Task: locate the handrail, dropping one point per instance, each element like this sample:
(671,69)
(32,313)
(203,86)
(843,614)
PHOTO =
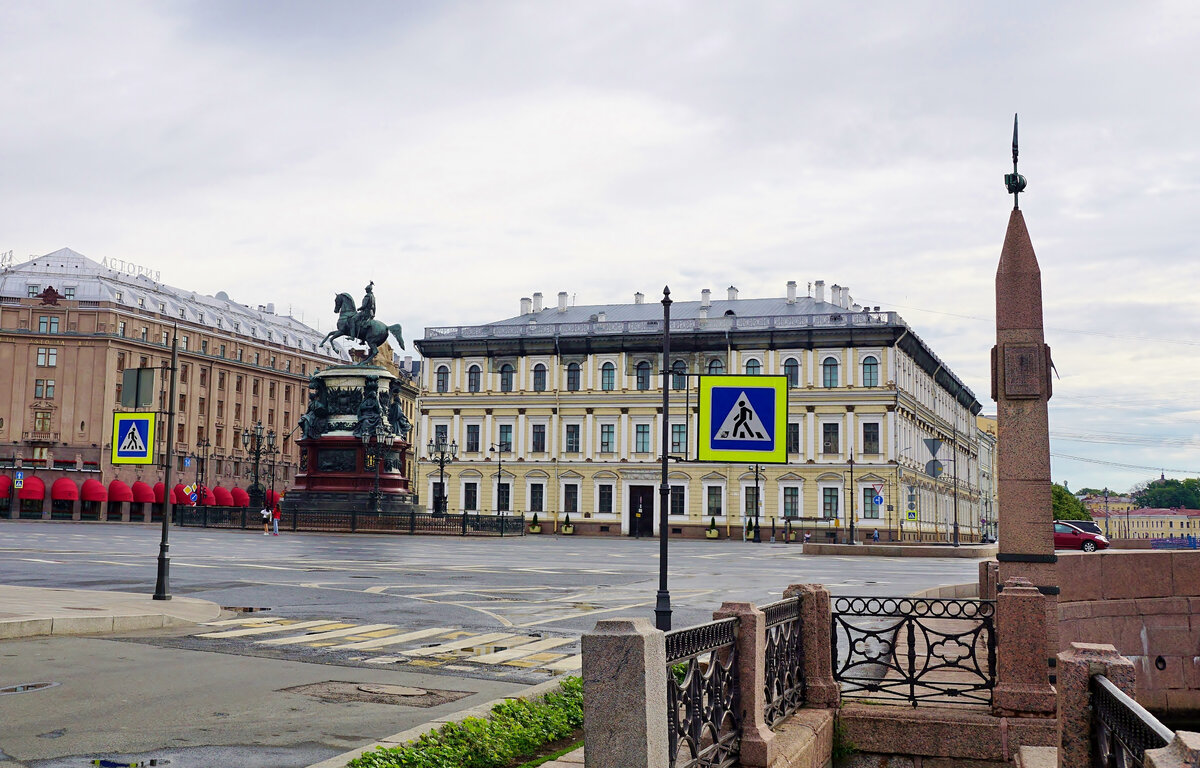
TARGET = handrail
(1120,724)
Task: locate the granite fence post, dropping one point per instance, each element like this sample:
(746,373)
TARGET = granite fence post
(1022,674)
(757,738)
(1075,669)
(816,622)
(1182,752)
(624,695)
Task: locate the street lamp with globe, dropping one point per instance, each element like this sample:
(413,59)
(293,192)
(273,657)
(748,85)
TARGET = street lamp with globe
(443,452)
(255,444)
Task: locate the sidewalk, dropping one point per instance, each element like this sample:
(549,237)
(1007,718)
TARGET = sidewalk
(32,611)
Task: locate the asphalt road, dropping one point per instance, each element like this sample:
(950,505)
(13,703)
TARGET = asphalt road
(200,701)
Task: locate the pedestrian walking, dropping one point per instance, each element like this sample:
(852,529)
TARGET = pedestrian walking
(275,515)
(266,518)
(875,536)
(807,536)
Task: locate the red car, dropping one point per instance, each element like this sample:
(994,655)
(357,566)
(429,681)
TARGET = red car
(1067,536)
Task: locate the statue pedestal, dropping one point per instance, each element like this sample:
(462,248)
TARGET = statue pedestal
(339,469)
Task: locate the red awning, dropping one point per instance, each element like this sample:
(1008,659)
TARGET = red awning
(240,497)
(118,491)
(5,485)
(224,498)
(180,496)
(160,493)
(64,489)
(93,490)
(34,489)
(209,499)
(142,493)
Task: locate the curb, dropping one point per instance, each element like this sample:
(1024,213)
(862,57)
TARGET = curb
(479,710)
(12,629)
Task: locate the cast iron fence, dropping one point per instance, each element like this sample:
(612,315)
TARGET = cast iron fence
(784,660)
(1121,730)
(458,524)
(704,727)
(917,650)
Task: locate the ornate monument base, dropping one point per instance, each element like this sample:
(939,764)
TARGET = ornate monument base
(353,446)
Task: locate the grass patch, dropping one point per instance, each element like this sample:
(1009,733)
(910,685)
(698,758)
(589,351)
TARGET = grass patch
(552,755)
(515,728)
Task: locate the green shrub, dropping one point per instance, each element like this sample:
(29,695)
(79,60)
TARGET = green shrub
(567,520)
(712,523)
(534,522)
(515,728)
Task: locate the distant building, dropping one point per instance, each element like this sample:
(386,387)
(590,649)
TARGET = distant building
(1149,523)
(69,326)
(569,400)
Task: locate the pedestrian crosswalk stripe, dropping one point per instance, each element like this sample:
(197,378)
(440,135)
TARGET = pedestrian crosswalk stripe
(569,664)
(264,629)
(392,640)
(458,645)
(319,636)
(499,657)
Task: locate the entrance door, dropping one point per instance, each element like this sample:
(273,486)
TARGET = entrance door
(641,497)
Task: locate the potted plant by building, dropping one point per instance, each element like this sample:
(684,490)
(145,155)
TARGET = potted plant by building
(567,528)
(711,532)
(534,525)
(749,529)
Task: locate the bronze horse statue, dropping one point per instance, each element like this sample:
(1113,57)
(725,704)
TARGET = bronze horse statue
(372,332)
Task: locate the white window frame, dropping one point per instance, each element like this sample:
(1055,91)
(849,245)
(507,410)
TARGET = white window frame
(799,486)
(615,482)
(840,422)
(705,485)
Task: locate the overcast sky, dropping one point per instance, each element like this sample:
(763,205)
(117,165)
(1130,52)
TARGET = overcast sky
(463,155)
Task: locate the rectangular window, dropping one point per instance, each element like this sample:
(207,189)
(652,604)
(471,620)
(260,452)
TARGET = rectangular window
(791,502)
(677,500)
(829,503)
(69,293)
(641,438)
(870,508)
(220,379)
(121,328)
(539,438)
(32,291)
(204,377)
(254,387)
(43,389)
(166,338)
(608,438)
(47,357)
(537,493)
(571,499)
(572,438)
(506,437)
(714,500)
(47,324)
(473,438)
(502,497)
(679,439)
(441,434)
(751,501)
(204,346)
(270,417)
(830,444)
(237,385)
(270,389)
(237,411)
(870,443)
(183,403)
(183,373)
(41,421)
(222,350)
(470,496)
(183,343)
(793,437)
(606,500)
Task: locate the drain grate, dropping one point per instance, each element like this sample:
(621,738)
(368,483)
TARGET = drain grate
(243,609)
(25,688)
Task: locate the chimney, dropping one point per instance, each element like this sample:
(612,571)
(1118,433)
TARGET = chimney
(705,298)
(537,302)
(791,288)
(820,294)
(835,295)
(602,317)
(732,292)
(526,306)
(638,298)
(271,308)
(703,312)
(846,297)
(562,301)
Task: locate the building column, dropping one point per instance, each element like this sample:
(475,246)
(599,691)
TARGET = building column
(589,436)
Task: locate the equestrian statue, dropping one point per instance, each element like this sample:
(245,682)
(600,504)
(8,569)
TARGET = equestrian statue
(360,324)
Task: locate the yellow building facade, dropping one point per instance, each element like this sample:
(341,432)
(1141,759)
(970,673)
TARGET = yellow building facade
(558,411)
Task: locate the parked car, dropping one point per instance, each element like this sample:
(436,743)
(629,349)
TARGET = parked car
(1090,526)
(1067,536)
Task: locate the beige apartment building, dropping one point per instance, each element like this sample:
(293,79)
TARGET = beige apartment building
(558,411)
(69,326)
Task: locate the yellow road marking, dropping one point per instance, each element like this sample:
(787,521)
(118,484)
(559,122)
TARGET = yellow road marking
(515,653)
(319,636)
(457,645)
(267,629)
(393,639)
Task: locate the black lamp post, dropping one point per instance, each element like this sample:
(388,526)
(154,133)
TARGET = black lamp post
(1106,511)
(757,469)
(376,452)
(502,501)
(202,447)
(438,447)
(256,444)
(662,602)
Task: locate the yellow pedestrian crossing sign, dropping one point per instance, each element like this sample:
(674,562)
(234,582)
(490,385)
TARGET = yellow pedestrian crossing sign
(133,438)
(912,515)
(743,418)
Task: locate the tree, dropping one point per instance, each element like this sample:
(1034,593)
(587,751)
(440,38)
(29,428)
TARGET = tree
(1065,505)
(1169,494)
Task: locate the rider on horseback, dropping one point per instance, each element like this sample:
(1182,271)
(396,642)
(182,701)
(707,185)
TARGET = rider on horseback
(366,313)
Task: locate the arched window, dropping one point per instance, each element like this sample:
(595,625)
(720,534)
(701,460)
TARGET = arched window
(829,372)
(791,369)
(443,379)
(608,377)
(506,378)
(573,377)
(679,375)
(716,367)
(643,375)
(539,378)
(753,367)
(473,378)
(870,372)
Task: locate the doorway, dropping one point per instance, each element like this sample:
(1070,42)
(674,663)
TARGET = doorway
(641,497)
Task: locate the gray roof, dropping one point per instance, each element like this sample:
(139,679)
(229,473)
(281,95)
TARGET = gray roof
(680,310)
(95,282)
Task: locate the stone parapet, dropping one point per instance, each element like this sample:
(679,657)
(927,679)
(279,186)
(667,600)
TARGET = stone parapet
(816,617)
(625,695)
(1022,672)
(1076,666)
(1183,752)
(942,733)
(901,550)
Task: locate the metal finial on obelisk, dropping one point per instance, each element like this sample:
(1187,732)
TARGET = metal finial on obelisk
(1015,181)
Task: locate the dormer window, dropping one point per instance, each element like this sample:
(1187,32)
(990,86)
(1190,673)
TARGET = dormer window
(141,302)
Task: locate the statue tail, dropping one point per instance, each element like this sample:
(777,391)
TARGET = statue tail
(398,333)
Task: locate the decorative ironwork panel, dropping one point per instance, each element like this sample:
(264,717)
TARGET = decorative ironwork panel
(704,727)
(1122,730)
(917,650)
(784,660)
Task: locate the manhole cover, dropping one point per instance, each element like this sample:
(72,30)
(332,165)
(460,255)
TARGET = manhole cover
(338,691)
(25,688)
(393,690)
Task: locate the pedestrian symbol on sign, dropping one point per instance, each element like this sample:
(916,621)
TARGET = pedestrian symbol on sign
(133,438)
(743,423)
(132,442)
